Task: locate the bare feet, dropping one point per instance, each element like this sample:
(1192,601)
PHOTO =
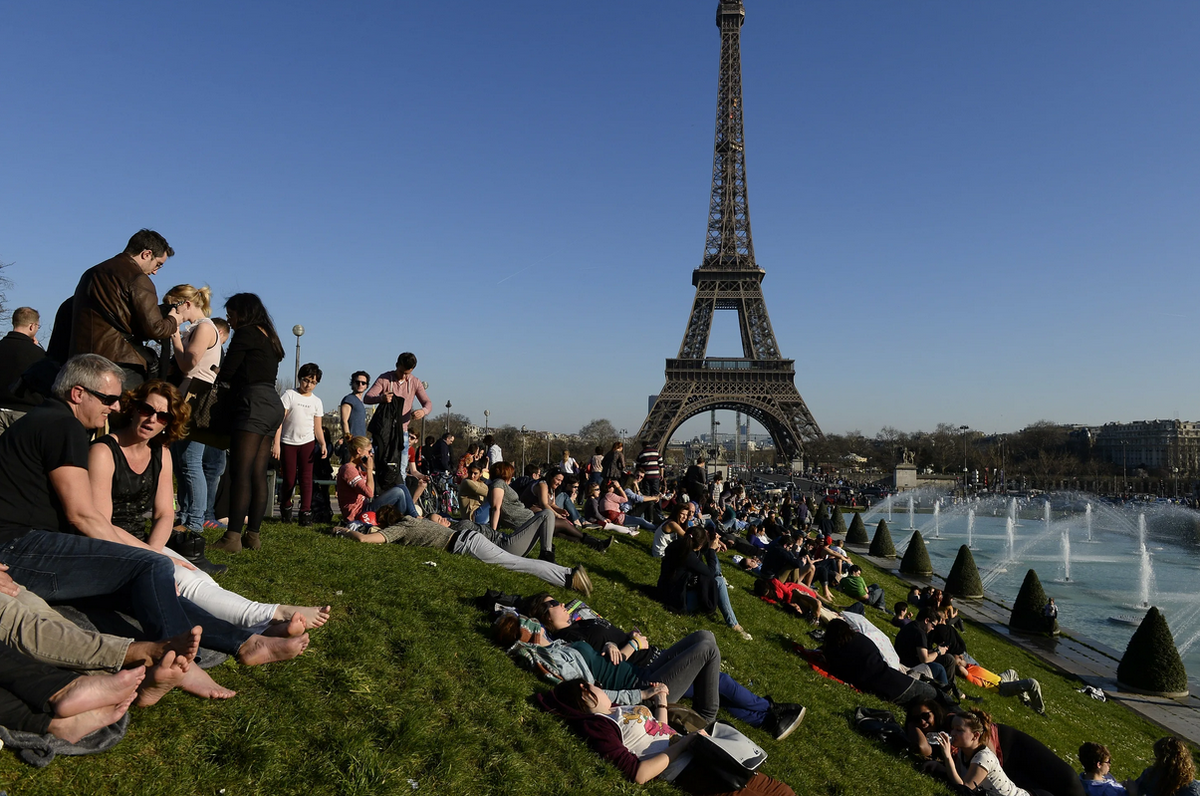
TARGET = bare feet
(262,649)
(198,683)
(314,615)
(73,728)
(85,694)
(287,629)
(161,678)
(185,646)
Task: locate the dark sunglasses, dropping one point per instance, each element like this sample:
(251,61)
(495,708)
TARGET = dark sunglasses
(356,383)
(552,603)
(146,410)
(104,398)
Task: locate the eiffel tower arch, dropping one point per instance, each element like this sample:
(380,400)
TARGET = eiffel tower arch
(761,382)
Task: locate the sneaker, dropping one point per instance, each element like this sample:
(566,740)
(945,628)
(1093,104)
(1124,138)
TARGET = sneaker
(580,581)
(783,718)
(285,514)
(741,631)
(213,525)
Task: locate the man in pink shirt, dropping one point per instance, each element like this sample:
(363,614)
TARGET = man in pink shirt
(401,384)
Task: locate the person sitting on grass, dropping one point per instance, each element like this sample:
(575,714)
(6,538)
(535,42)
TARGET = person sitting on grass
(638,740)
(900,616)
(854,585)
(130,473)
(690,579)
(593,514)
(465,538)
(613,507)
(675,528)
(690,668)
(564,498)
(975,764)
(1097,776)
(473,492)
(1173,772)
(529,528)
(539,496)
(355,485)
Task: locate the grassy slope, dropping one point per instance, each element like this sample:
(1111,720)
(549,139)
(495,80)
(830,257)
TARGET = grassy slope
(404,683)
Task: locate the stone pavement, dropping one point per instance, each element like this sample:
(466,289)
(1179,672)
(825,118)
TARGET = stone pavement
(1087,659)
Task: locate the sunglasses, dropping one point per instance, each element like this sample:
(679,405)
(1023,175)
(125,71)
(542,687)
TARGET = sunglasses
(552,603)
(104,398)
(359,383)
(146,410)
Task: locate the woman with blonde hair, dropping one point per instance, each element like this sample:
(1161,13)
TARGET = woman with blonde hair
(197,353)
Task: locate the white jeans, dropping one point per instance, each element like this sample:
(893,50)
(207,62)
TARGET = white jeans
(200,588)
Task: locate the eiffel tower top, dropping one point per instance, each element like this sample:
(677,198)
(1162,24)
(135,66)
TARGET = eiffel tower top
(728,245)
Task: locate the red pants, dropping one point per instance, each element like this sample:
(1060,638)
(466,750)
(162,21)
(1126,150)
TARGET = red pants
(297,460)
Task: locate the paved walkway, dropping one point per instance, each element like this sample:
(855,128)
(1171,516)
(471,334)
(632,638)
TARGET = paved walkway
(1090,660)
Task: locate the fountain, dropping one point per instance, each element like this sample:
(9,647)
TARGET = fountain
(1012,542)
(1047,516)
(1066,553)
(1145,572)
(912,522)
(937,519)
(1087,517)
(1012,511)
(970,527)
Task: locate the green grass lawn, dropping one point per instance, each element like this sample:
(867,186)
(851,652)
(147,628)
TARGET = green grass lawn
(405,684)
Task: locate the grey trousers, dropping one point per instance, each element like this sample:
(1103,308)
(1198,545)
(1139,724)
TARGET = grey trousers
(30,626)
(539,528)
(477,546)
(1032,689)
(695,662)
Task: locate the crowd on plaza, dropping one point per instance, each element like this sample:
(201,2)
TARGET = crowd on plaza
(115,458)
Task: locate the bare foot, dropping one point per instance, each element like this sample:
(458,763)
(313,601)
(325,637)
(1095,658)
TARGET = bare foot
(314,615)
(198,683)
(185,646)
(73,728)
(161,678)
(287,629)
(261,649)
(84,694)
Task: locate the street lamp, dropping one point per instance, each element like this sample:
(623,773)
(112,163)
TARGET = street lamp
(964,430)
(297,330)
(522,449)
(486,415)
(547,447)
(447,417)
(424,386)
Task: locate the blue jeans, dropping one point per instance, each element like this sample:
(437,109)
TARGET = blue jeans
(199,469)
(639,522)
(722,602)
(741,702)
(397,496)
(483,514)
(62,567)
(564,502)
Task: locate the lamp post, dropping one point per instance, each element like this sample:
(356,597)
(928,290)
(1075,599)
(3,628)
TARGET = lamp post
(964,430)
(297,330)
(424,386)
(522,449)
(486,415)
(548,462)
(447,430)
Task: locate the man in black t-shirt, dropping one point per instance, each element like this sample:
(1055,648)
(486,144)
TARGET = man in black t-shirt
(45,497)
(914,648)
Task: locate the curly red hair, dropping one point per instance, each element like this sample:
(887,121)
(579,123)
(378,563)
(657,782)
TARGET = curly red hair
(180,412)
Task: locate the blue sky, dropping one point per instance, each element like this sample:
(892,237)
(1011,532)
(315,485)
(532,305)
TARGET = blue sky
(982,214)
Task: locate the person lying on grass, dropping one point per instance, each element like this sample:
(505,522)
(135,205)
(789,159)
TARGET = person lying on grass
(690,668)
(130,473)
(465,538)
(38,698)
(638,740)
(1026,761)
(796,597)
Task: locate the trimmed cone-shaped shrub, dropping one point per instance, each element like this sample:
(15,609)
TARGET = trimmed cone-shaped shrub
(1026,614)
(858,531)
(916,557)
(839,522)
(1151,661)
(963,580)
(881,545)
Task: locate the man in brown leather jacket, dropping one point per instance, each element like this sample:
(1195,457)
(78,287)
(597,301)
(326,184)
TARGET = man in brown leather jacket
(116,307)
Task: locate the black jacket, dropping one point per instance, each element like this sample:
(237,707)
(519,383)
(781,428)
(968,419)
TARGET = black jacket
(387,433)
(17,353)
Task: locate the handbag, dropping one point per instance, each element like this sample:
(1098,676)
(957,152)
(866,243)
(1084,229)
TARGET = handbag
(211,413)
(725,760)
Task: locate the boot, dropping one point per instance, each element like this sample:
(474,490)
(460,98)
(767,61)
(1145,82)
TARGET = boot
(250,540)
(600,545)
(547,555)
(285,513)
(306,519)
(231,542)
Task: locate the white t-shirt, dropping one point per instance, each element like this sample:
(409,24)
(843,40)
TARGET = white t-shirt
(996,783)
(645,737)
(298,425)
(494,454)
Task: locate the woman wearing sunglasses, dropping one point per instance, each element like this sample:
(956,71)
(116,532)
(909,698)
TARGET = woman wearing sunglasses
(130,472)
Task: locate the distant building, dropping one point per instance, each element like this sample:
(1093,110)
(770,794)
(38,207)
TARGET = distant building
(1169,445)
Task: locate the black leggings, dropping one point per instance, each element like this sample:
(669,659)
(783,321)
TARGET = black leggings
(26,686)
(249,454)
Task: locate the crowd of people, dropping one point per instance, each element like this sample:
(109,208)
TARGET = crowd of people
(116,456)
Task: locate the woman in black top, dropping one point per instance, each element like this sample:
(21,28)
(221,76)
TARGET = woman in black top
(250,368)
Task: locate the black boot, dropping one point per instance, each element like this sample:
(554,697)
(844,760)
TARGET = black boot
(306,520)
(600,545)
(285,514)
(547,555)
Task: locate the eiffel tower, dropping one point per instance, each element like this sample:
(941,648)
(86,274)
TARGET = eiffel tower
(760,382)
